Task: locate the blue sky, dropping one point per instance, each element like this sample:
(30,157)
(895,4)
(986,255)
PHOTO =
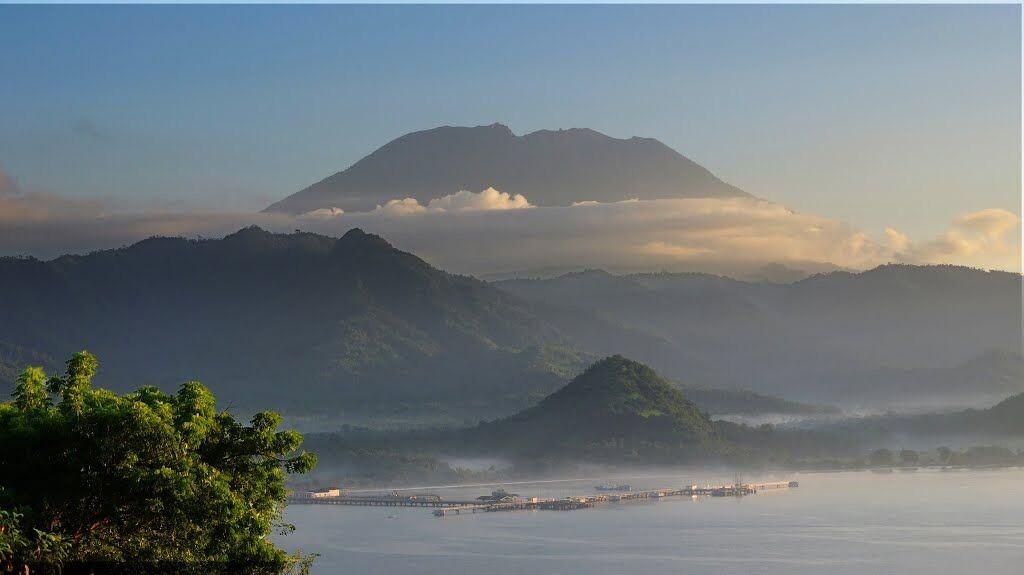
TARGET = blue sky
(879,116)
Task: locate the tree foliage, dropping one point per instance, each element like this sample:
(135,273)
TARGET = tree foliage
(145,478)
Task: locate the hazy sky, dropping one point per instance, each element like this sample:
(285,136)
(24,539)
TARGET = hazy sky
(901,116)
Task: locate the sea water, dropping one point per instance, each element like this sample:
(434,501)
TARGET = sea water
(928,521)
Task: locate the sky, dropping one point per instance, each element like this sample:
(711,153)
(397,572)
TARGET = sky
(885,119)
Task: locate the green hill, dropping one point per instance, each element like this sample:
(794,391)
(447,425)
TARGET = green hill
(743,402)
(300,322)
(304,323)
(617,406)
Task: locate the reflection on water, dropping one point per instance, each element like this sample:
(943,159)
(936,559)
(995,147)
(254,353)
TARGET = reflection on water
(842,523)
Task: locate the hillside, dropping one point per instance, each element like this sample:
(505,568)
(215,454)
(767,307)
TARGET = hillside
(350,328)
(1003,420)
(615,404)
(1007,415)
(738,402)
(284,320)
(876,339)
(549,167)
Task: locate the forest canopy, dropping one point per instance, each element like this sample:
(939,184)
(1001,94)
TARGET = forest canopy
(144,481)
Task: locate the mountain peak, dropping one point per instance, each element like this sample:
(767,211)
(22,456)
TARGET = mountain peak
(614,398)
(354,233)
(248,232)
(356,237)
(620,379)
(548,167)
(499,127)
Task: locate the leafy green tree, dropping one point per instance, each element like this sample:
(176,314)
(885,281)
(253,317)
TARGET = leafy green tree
(15,543)
(146,479)
(30,393)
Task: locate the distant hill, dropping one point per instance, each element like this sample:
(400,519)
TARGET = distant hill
(875,339)
(14,358)
(1007,415)
(976,382)
(615,404)
(293,321)
(1002,420)
(733,402)
(350,328)
(549,167)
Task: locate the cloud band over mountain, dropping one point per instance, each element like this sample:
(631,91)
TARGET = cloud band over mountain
(492,231)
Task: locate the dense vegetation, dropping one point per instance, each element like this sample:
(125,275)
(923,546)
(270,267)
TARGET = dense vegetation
(618,412)
(617,408)
(367,329)
(362,325)
(139,482)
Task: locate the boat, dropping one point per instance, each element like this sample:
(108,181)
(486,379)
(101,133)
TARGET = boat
(613,487)
(499,495)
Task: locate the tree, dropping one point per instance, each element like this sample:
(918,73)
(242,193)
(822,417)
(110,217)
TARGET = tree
(30,393)
(145,478)
(945,454)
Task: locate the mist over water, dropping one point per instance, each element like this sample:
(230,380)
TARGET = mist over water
(926,521)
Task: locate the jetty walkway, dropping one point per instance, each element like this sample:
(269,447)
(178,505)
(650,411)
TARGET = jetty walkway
(573,503)
(446,507)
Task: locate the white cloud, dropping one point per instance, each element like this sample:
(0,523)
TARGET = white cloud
(489,199)
(720,235)
(896,241)
(462,201)
(985,238)
(491,231)
(322,214)
(405,207)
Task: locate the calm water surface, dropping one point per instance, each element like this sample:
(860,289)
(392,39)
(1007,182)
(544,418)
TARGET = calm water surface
(930,522)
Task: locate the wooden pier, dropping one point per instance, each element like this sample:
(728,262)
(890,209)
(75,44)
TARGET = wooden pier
(446,507)
(383,501)
(572,503)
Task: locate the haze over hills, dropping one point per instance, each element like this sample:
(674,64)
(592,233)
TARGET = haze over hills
(281,320)
(549,167)
(311,323)
(990,424)
(919,335)
(305,322)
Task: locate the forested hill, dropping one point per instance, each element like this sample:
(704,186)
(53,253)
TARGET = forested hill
(947,336)
(281,320)
(615,400)
(352,326)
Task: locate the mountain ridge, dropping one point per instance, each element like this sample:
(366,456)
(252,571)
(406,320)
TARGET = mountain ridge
(363,326)
(831,338)
(352,318)
(548,167)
